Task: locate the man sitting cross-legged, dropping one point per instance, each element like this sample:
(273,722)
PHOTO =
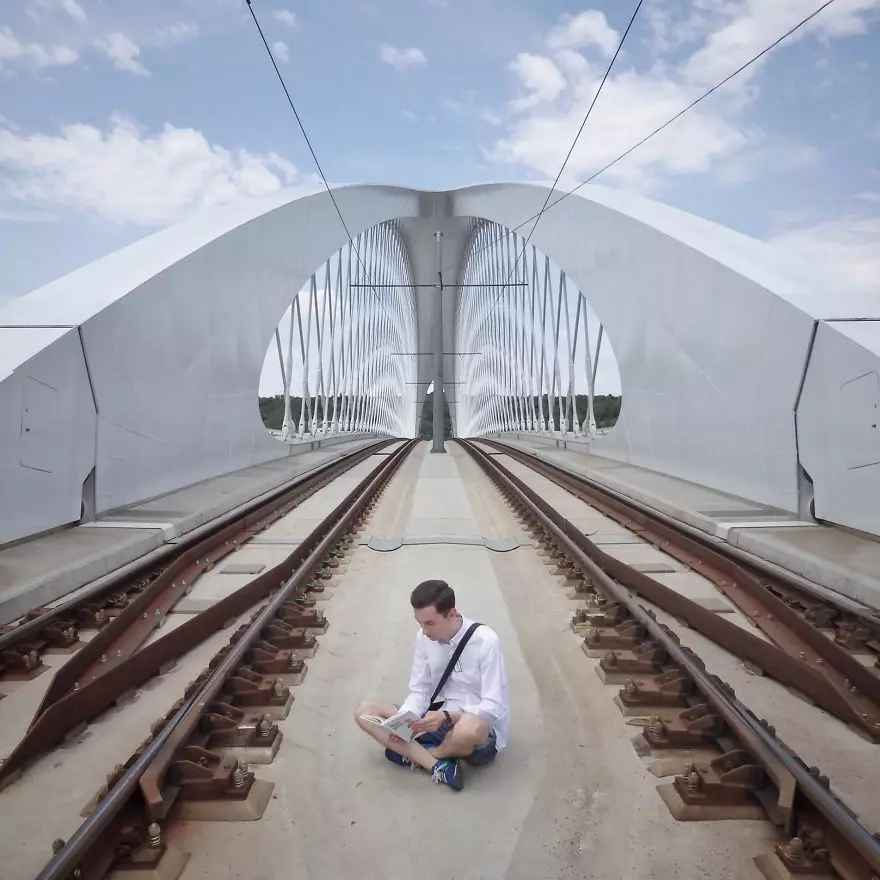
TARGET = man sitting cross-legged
(472,722)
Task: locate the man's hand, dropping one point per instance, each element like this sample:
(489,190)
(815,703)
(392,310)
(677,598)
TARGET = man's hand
(431,722)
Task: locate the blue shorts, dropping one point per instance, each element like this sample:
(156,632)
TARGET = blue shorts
(479,757)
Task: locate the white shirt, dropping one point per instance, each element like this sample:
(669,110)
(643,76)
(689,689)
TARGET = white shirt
(477,684)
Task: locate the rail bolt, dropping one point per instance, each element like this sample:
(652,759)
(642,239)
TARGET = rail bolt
(694,782)
(266,728)
(238,775)
(154,833)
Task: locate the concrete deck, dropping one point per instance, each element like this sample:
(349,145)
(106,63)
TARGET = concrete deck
(46,568)
(569,797)
(839,560)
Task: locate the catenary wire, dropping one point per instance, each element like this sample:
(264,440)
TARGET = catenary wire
(668,122)
(537,217)
(302,128)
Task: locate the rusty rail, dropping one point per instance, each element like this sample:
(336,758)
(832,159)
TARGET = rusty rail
(857,688)
(86,850)
(791,778)
(78,694)
(124,634)
(199,541)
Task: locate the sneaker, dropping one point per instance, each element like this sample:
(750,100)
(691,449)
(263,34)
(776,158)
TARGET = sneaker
(396,758)
(448,772)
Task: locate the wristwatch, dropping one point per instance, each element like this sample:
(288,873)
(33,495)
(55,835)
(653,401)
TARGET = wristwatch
(448,717)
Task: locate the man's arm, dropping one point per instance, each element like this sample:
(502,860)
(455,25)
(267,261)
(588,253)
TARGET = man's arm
(493,682)
(419,681)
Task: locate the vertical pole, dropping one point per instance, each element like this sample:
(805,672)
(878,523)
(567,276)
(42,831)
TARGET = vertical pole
(438,352)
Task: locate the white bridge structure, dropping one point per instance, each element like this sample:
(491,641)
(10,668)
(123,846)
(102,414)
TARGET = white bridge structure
(742,369)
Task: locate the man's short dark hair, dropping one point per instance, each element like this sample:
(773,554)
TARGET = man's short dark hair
(436,593)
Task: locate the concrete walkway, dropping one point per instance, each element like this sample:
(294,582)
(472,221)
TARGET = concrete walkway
(568,797)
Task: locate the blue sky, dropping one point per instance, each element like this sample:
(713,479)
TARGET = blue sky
(117,118)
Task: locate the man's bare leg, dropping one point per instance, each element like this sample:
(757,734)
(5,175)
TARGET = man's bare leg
(414,751)
(468,734)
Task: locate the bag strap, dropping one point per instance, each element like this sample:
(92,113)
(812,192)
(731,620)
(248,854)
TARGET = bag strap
(452,661)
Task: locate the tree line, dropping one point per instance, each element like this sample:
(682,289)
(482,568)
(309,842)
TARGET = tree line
(605,406)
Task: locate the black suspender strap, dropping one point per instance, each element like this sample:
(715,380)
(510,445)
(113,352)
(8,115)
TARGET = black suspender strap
(450,666)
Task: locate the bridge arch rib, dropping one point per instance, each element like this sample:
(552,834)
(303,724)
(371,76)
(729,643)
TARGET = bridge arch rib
(143,367)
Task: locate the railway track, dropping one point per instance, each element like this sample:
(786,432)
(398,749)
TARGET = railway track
(23,643)
(736,765)
(195,755)
(127,610)
(835,640)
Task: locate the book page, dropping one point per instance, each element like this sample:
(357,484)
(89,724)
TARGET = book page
(399,724)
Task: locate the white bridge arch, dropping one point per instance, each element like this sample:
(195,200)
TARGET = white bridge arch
(742,369)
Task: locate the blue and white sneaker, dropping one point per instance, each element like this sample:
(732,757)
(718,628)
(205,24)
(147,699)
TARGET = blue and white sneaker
(396,758)
(449,772)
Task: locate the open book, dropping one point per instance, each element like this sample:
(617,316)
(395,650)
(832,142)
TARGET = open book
(398,724)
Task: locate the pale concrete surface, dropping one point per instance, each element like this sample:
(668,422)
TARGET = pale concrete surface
(568,798)
(842,561)
(42,570)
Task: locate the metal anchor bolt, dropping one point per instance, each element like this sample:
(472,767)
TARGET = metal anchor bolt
(154,833)
(238,775)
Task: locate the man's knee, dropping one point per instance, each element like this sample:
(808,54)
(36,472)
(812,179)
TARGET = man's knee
(363,708)
(372,707)
(472,730)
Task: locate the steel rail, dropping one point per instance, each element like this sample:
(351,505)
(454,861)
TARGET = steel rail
(865,614)
(66,861)
(765,746)
(797,636)
(115,642)
(116,579)
(85,699)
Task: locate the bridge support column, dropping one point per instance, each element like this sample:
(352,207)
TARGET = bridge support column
(439,397)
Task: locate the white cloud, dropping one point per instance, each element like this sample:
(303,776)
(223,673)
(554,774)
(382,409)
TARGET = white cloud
(848,247)
(541,78)
(123,52)
(631,105)
(588,28)
(35,8)
(281,51)
(178,32)
(400,59)
(409,115)
(744,28)
(712,39)
(73,9)
(127,175)
(14,50)
(286,17)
